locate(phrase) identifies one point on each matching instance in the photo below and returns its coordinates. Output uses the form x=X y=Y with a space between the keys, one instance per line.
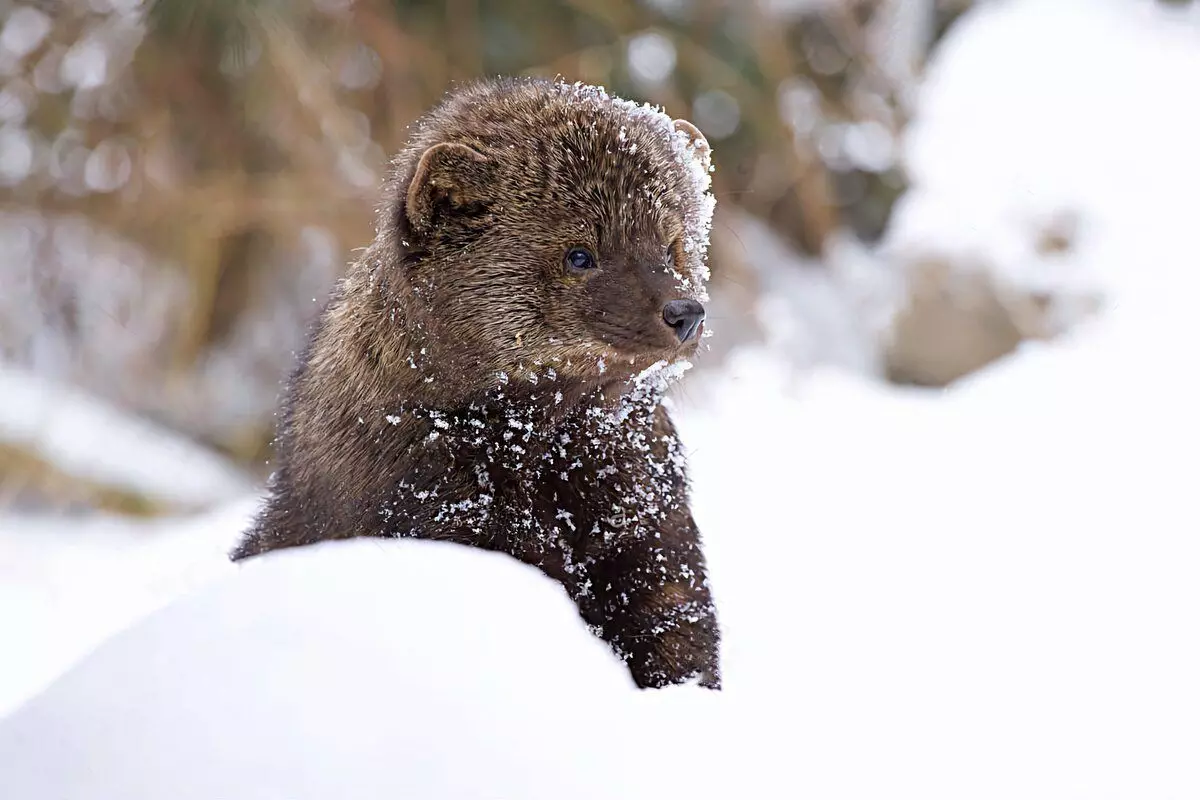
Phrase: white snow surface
x=67 y=585
x=987 y=592
x=361 y=669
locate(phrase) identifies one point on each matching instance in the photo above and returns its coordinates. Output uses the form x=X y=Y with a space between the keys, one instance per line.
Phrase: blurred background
x=950 y=387
x=182 y=180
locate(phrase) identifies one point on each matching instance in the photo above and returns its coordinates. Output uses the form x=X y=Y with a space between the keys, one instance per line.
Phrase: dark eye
x=580 y=258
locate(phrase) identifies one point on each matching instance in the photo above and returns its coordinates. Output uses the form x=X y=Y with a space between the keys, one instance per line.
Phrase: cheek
x=566 y=310
x=492 y=305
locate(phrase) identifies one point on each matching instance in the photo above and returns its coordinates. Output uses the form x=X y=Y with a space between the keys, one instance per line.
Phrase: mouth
x=634 y=347
x=641 y=355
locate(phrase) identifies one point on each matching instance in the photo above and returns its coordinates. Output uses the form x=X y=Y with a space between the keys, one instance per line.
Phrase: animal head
x=553 y=225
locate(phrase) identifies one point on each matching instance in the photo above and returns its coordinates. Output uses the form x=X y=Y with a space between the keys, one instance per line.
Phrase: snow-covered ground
x=986 y=592
x=67 y=585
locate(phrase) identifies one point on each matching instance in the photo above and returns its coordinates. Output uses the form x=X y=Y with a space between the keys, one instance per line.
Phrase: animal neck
x=507 y=471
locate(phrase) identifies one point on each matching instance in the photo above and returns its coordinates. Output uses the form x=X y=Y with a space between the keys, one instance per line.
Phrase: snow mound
x=357 y=669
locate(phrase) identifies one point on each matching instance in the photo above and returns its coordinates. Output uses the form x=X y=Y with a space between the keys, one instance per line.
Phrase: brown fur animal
x=491 y=370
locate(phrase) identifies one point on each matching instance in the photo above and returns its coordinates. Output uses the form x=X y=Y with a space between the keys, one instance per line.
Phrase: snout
x=684 y=317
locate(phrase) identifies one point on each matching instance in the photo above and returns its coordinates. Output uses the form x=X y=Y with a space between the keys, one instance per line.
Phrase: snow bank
x=360 y=669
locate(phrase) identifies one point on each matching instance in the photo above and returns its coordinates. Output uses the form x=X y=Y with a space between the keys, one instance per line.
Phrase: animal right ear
x=447 y=177
x=696 y=140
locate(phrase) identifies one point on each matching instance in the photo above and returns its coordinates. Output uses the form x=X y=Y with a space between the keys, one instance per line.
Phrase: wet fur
x=463 y=385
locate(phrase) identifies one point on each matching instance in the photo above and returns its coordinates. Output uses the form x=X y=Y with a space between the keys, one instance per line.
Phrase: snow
x=534 y=704
x=990 y=594
x=985 y=592
x=88 y=438
x=67 y=585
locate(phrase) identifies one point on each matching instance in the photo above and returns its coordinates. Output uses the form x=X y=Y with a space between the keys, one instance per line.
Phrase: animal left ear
x=697 y=141
x=449 y=176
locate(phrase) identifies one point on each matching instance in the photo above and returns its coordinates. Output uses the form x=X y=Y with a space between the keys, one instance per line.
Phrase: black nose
x=685 y=317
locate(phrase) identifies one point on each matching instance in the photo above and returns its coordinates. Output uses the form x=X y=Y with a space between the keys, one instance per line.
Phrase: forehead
x=621 y=162
x=622 y=169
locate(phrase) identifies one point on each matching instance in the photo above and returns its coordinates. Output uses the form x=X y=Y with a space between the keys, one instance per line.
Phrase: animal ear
x=697 y=141
x=448 y=175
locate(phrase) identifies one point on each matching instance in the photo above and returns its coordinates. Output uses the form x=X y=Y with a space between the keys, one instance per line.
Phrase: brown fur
x=465 y=384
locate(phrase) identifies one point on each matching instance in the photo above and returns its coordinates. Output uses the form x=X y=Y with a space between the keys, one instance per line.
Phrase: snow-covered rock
x=1040 y=121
